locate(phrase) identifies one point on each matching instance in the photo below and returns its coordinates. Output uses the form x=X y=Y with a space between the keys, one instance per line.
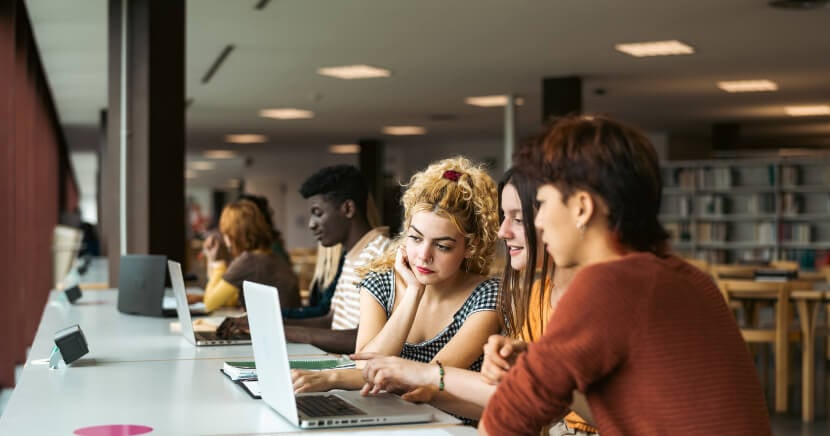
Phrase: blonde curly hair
x=462 y=192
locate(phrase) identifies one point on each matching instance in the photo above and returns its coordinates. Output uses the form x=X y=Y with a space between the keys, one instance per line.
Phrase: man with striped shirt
x=337 y=197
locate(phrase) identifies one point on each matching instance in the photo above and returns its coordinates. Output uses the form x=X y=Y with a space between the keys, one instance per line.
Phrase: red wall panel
x=33 y=156
x=9 y=341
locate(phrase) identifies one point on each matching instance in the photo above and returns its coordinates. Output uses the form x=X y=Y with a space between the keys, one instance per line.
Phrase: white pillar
x=509 y=130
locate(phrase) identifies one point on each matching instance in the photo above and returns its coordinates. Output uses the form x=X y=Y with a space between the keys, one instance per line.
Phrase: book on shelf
x=247 y=370
x=790 y=175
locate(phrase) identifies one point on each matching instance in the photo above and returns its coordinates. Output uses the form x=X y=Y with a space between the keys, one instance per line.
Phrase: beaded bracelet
x=440 y=375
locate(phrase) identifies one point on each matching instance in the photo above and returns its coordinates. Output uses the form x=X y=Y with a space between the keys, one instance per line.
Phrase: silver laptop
x=183 y=311
x=312 y=410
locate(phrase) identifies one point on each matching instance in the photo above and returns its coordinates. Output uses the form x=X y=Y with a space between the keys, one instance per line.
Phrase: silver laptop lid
x=182 y=310
x=270 y=349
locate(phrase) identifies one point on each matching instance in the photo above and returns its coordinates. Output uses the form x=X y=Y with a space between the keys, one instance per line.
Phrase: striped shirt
x=346 y=300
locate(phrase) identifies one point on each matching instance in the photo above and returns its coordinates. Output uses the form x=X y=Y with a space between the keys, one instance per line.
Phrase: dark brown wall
x=36 y=182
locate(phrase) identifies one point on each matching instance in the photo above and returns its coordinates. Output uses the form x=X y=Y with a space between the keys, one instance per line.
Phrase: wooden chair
x=66 y=241
x=719 y=271
x=784 y=264
x=303 y=261
x=808 y=302
x=779 y=334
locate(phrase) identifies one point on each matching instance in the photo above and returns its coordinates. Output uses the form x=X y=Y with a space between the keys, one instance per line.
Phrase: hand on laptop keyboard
x=234 y=328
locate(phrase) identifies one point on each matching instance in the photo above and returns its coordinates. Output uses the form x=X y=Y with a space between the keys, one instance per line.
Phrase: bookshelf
x=728 y=211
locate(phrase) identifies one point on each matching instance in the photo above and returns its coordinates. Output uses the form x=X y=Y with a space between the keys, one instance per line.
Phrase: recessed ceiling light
x=344 y=149
x=287 y=114
x=655 y=48
x=219 y=154
x=202 y=165
x=404 y=130
x=491 y=100
x=806 y=111
x=245 y=138
x=348 y=72
x=748 y=86
x=190 y=174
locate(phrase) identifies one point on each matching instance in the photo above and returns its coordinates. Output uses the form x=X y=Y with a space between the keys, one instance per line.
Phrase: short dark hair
x=612 y=161
x=338 y=183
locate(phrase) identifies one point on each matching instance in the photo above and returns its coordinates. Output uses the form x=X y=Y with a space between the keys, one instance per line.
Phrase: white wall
x=278 y=174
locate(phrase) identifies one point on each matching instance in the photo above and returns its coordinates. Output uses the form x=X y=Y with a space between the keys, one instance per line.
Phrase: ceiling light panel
x=202 y=165
x=491 y=101
x=287 y=114
x=344 y=149
x=349 y=72
x=219 y=154
x=245 y=138
x=748 y=86
x=807 y=111
x=655 y=48
x=404 y=130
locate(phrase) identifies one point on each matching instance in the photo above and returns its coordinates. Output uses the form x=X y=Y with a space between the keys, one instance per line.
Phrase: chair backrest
x=731 y=270
x=66 y=241
x=752 y=288
x=736 y=291
x=784 y=264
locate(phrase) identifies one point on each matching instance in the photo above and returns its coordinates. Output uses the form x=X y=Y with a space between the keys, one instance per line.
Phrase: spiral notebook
x=246 y=370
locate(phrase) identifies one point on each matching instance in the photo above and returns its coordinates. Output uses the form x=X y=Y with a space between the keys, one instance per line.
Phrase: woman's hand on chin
x=404 y=269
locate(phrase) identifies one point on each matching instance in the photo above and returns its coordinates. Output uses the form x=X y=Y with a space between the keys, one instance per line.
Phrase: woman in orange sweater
x=646 y=336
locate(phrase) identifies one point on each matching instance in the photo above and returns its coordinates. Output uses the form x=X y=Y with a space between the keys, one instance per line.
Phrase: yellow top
x=537 y=322
x=218 y=292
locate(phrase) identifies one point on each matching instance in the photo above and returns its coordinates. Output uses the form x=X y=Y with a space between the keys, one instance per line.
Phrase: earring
x=581 y=228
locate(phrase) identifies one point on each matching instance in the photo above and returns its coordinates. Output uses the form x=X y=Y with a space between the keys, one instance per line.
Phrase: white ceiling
x=442 y=51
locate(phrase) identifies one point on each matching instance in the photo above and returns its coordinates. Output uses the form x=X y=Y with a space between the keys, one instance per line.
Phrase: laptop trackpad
x=384 y=404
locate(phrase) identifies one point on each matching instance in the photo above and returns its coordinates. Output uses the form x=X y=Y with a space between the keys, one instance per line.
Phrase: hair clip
x=451 y=175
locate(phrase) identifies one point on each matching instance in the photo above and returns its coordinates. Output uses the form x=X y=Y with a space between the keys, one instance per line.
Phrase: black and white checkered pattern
x=382 y=286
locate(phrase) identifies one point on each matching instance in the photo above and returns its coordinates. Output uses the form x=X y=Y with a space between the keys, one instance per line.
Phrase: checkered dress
x=381 y=286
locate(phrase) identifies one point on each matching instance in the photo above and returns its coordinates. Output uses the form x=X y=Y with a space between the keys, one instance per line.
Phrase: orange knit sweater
x=538 y=317
x=641 y=336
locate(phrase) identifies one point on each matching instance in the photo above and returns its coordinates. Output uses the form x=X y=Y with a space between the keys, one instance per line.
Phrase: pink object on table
x=113 y=430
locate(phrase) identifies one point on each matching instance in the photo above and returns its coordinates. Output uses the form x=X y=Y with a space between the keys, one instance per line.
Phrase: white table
x=139 y=372
x=116 y=337
x=174 y=397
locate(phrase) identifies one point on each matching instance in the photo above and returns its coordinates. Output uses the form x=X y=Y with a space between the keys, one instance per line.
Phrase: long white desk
x=116 y=337
x=139 y=372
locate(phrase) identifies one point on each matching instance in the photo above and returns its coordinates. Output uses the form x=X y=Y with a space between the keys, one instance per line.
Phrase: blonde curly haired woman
x=428 y=298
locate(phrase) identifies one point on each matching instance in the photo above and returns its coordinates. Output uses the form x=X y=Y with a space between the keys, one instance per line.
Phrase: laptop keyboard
x=326 y=405
x=206 y=336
